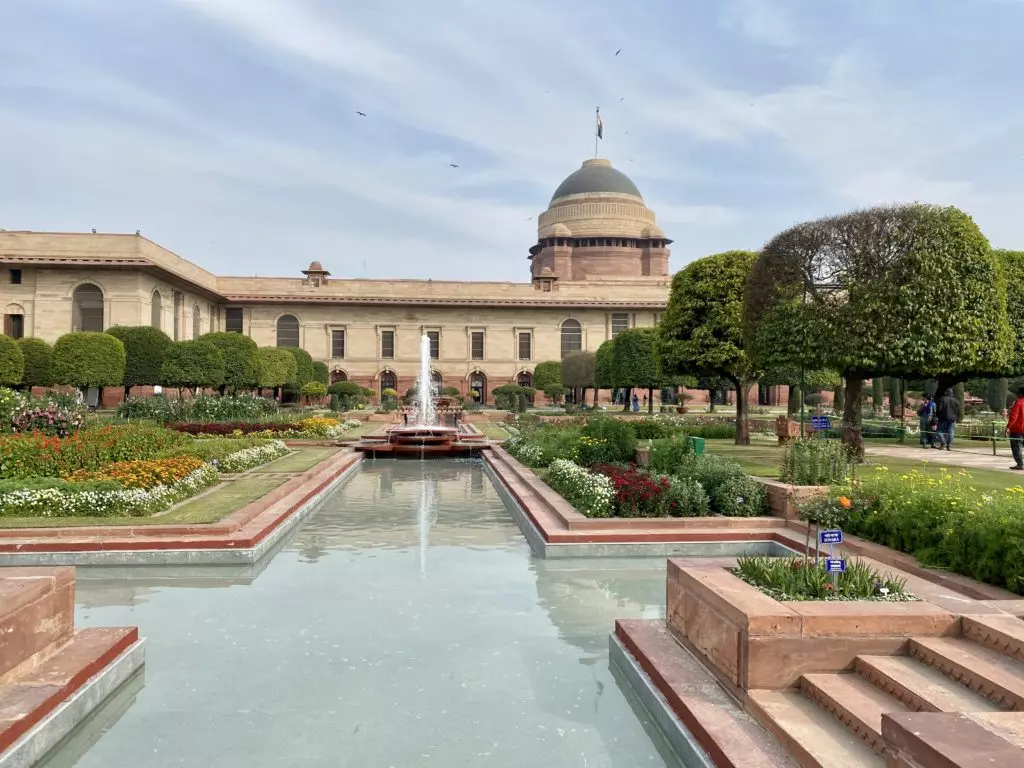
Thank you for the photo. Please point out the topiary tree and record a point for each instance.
(241, 360)
(877, 393)
(144, 348)
(1011, 264)
(858, 293)
(547, 377)
(635, 363)
(303, 366)
(193, 365)
(276, 368)
(701, 332)
(349, 394)
(314, 389)
(12, 361)
(320, 372)
(838, 397)
(604, 367)
(579, 373)
(87, 359)
(38, 362)
(895, 396)
(996, 394)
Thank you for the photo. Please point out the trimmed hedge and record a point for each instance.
(277, 367)
(38, 362)
(193, 364)
(88, 359)
(12, 361)
(320, 373)
(303, 366)
(144, 348)
(241, 360)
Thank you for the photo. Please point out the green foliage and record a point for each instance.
(604, 365)
(202, 408)
(815, 462)
(839, 396)
(1012, 265)
(607, 440)
(320, 372)
(878, 392)
(12, 361)
(193, 365)
(241, 359)
(454, 391)
(144, 349)
(792, 578)
(667, 456)
(507, 397)
(996, 394)
(303, 366)
(685, 497)
(652, 429)
(578, 369)
(38, 362)
(213, 448)
(634, 359)
(739, 496)
(88, 359)
(314, 389)
(276, 366)
(547, 375)
(349, 394)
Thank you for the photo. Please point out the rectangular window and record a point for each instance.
(477, 345)
(15, 276)
(525, 345)
(387, 344)
(435, 344)
(233, 319)
(620, 323)
(337, 343)
(14, 326)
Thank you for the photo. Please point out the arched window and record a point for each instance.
(156, 311)
(337, 376)
(388, 380)
(288, 331)
(572, 337)
(197, 322)
(87, 308)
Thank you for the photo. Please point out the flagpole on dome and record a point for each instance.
(599, 131)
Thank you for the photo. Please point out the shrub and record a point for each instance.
(637, 494)
(710, 471)
(739, 496)
(10, 403)
(507, 397)
(144, 473)
(87, 359)
(49, 417)
(685, 497)
(241, 360)
(144, 348)
(276, 367)
(210, 449)
(652, 429)
(38, 362)
(667, 456)
(314, 389)
(349, 394)
(793, 578)
(199, 408)
(815, 462)
(303, 367)
(12, 361)
(229, 428)
(321, 374)
(193, 365)
(247, 458)
(590, 493)
(548, 375)
(611, 441)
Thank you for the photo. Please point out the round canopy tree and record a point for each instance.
(193, 365)
(38, 362)
(320, 372)
(604, 365)
(578, 374)
(635, 363)
(12, 361)
(241, 360)
(277, 368)
(701, 332)
(144, 348)
(910, 290)
(1012, 265)
(88, 359)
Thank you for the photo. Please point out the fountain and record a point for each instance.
(421, 432)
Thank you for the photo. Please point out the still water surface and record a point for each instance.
(405, 625)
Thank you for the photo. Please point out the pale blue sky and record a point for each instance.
(227, 130)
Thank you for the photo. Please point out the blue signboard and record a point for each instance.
(831, 537)
(821, 422)
(835, 565)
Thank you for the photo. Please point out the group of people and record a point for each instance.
(938, 419)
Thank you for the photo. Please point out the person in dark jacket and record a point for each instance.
(948, 414)
(925, 414)
(1015, 429)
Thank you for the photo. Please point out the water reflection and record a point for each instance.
(406, 624)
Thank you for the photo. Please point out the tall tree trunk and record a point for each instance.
(650, 400)
(795, 398)
(852, 438)
(895, 397)
(742, 420)
(596, 393)
(840, 397)
(877, 393)
(711, 400)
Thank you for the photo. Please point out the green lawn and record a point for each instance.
(299, 461)
(493, 430)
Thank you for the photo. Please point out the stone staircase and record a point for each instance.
(835, 720)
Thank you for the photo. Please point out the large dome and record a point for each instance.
(595, 177)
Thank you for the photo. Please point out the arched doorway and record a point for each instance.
(388, 380)
(87, 308)
(436, 382)
(525, 379)
(337, 376)
(478, 387)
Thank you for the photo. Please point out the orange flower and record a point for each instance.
(844, 502)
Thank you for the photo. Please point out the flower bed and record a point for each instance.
(591, 493)
(247, 458)
(64, 499)
(201, 408)
(145, 473)
(317, 427)
(798, 578)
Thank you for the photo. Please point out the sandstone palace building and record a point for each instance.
(599, 266)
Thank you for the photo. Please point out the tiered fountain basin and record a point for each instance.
(423, 441)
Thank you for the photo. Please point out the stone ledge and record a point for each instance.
(945, 740)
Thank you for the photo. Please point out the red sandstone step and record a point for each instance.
(855, 702)
(1002, 633)
(40, 690)
(809, 733)
(1009, 725)
(989, 673)
(919, 687)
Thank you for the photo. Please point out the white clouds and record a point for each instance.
(766, 21)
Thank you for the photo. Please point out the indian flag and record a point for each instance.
(600, 124)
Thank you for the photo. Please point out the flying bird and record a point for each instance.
(618, 52)
(622, 98)
(453, 165)
(361, 114)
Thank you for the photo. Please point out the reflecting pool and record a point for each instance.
(406, 624)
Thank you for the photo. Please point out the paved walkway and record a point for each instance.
(974, 456)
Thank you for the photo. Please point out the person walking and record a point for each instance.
(1015, 429)
(925, 414)
(636, 403)
(948, 414)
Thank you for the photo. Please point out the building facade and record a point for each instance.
(599, 266)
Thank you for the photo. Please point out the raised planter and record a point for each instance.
(783, 498)
(741, 633)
